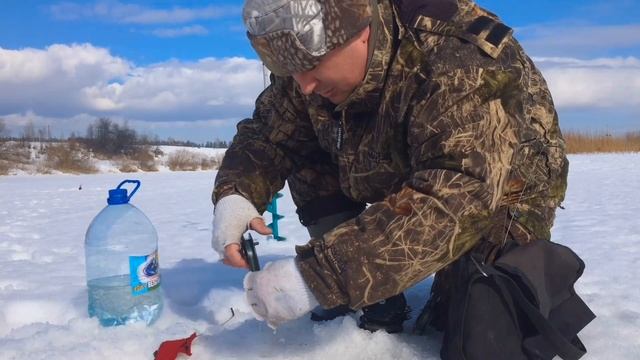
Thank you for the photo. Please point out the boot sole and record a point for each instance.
(389, 328)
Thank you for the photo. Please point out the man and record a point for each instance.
(427, 110)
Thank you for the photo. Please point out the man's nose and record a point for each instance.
(306, 81)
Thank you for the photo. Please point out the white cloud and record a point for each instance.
(84, 78)
(183, 31)
(596, 83)
(78, 63)
(577, 40)
(191, 90)
(62, 81)
(115, 11)
(48, 80)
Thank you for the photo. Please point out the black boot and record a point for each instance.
(386, 315)
(320, 314)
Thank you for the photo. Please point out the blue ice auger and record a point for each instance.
(273, 209)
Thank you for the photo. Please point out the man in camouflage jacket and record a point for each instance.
(451, 137)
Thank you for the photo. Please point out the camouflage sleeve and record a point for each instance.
(268, 147)
(461, 136)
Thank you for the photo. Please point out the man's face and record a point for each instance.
(339, 72)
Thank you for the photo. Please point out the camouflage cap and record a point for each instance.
(293, 35)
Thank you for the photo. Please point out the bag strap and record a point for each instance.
(560, 344)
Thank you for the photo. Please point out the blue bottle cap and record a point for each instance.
(119, 196)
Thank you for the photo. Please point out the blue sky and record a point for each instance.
(185, 69)
(34, 23)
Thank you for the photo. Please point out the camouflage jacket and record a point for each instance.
(451, 138)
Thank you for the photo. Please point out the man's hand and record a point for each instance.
(278, 293)
(233, 216)
(233, 253)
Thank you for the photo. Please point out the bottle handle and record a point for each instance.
(137, 182)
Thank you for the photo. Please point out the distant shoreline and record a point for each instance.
(68, 157)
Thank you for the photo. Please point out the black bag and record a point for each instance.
(523, 306)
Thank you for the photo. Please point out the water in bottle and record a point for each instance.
(121, 250)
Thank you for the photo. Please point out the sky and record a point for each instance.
(184, 69)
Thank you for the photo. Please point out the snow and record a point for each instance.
(43, 296)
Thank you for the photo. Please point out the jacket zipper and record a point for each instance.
(340, 132)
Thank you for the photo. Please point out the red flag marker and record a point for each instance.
(170, 349)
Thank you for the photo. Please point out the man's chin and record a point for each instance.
(336, 98)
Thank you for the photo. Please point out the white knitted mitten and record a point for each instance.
(278, 293)
(231, 218)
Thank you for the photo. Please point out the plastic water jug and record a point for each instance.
(121, 253)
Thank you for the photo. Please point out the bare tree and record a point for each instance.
(42, 134)
(107, 137)
(29, 131)
(90, 132)
(3, 129)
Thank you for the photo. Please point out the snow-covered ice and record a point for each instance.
(43, 296)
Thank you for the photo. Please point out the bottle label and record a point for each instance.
(145, 273)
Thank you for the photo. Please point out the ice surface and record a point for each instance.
(43, 295)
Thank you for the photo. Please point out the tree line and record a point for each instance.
(104, 136)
